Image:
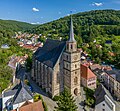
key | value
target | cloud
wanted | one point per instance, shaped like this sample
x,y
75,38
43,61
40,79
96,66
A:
x,y
35,9
35,23
97,4
68,14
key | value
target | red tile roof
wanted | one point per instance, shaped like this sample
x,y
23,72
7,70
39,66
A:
x,y
36,106
86,72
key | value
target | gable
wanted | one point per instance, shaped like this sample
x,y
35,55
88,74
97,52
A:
x,y
23,94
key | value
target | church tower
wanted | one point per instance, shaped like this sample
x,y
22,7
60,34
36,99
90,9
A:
x,y
72,64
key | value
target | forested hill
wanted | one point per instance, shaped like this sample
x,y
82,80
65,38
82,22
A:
x,y
15,25
8,27
87,25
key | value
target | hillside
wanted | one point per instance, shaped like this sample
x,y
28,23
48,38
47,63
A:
x,y
8,27
87,25
7,30
15,25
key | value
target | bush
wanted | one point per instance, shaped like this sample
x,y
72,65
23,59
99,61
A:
x,y
55,98
37,97
27,82
90,100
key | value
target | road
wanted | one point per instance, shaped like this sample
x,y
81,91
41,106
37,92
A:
x,y
50,103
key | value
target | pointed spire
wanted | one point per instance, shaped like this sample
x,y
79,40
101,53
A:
x,y
71,37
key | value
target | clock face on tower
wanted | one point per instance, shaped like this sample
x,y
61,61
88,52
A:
x,y
75,57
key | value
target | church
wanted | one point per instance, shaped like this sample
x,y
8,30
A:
x,y
56,66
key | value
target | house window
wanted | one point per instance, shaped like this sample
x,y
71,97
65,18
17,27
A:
x,y
75,81
75,72
103,104
67,57
103,109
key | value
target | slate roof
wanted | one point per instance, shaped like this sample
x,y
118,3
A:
x,y
50,52
9,93
71,37
116,74
23,94
100,93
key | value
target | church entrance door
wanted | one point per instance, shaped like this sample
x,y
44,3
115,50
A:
x,y
76,91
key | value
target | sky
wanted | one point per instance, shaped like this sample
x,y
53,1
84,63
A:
x,y
42,11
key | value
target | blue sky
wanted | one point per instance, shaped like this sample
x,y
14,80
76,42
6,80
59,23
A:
x,y
41,11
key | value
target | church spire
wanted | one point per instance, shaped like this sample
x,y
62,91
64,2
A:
x,y
71,36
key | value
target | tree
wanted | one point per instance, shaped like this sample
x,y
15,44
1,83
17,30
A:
x,y
66,102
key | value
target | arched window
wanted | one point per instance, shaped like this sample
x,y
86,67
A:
x,y
75,81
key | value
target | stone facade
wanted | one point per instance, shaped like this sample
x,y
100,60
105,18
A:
x,y
57,72
72,68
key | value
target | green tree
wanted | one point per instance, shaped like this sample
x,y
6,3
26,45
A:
x,y
66,102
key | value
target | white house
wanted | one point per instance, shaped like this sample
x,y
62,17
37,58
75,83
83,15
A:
x,y
5,46
15,98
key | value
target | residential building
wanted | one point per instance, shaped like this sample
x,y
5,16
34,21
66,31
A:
x,y
109,77
88,78
104,101
112,82
57,66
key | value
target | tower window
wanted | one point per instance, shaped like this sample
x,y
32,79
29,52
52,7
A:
x,y
75,66
75,81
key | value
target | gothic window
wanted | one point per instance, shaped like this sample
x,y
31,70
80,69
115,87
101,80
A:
x,y
58,77
75,81
50,78
67,65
